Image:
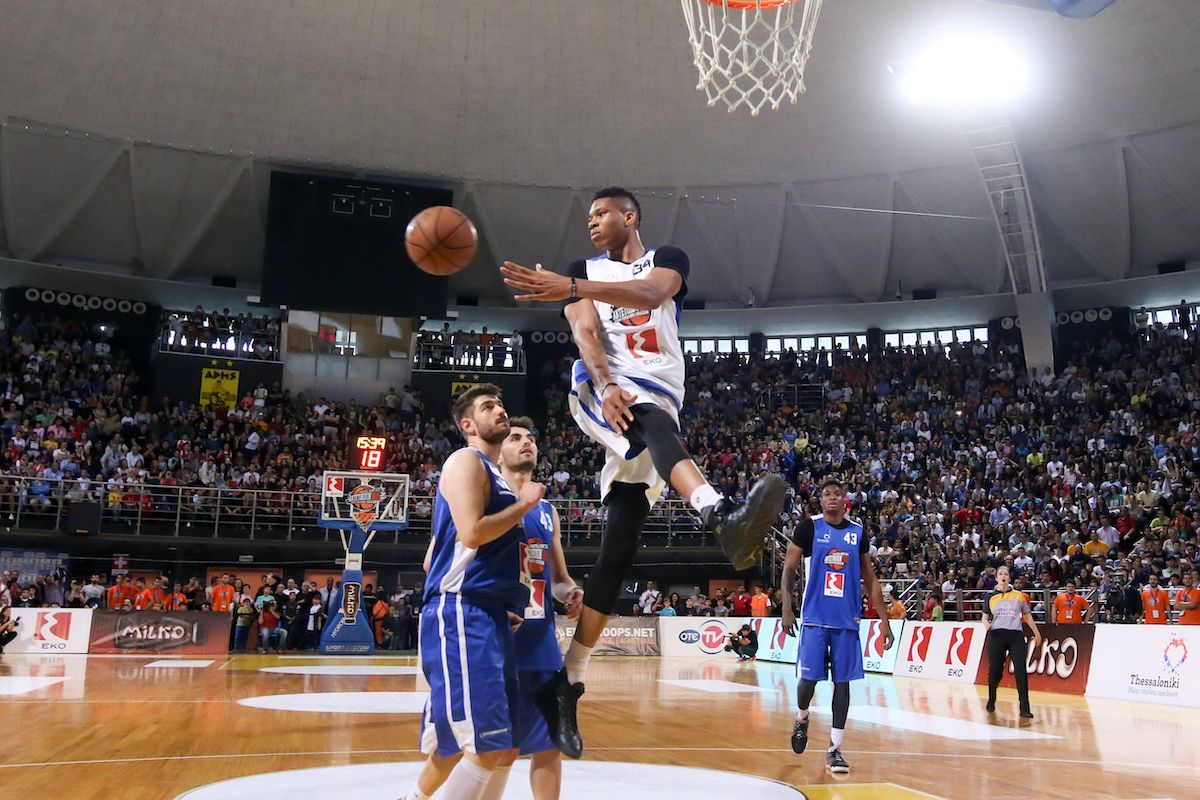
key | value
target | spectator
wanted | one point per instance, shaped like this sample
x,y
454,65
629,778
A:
x,y
933,610
1155,603
760,603
271,634
895,608
743,643
243,617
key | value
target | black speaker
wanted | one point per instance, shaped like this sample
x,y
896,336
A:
x,y
924,294
1169,267
82,519
693,305
758,344
467,300
875,339
224,281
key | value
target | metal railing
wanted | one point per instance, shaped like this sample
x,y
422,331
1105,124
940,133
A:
x,y
268,514
256,345
440,356
805,396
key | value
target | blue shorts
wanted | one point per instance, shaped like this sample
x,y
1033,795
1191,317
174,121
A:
x,y
535,733
468,659
823,648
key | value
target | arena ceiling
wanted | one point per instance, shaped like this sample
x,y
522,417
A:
x,y
142,135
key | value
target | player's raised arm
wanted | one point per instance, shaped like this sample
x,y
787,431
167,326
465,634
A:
x,y
566,591
465,486
588,334
542,284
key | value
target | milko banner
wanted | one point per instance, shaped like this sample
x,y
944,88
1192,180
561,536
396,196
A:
x,y
192,632
870,635
622,636
51,630
1059,664
1146,664
941,651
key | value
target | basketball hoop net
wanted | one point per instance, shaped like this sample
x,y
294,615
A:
x,y
751,53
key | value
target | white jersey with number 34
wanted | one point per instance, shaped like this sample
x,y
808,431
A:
x,y
642,345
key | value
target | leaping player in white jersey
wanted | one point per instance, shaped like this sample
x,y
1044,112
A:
x,y
624,307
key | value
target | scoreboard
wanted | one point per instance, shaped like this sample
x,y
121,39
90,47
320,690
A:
x,y
367,453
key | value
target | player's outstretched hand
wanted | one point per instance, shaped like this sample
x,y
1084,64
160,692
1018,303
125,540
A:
x,y
515,621
574,603
615,407
536,284
789,622
531,494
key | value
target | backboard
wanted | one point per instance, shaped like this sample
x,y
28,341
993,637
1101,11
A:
x,y
370,501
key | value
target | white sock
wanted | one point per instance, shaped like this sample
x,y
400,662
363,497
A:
x,y
802,714
495,787
576,661
416,794
467,781
704,497
835,738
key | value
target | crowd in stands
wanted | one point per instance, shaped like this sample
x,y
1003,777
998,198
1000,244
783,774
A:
x,y
240,335
491,350
956,459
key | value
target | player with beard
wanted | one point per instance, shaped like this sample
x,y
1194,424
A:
x,y
475,579
538,656
624,307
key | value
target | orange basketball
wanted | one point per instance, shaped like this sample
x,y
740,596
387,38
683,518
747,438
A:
x,y
441,240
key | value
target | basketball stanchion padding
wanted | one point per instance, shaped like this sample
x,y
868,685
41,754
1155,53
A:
x,y
359,505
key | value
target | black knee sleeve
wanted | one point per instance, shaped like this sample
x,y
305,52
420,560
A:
x,y
654,429
841,705
804,694
627,511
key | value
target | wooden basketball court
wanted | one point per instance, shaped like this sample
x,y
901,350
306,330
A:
x,y
148,728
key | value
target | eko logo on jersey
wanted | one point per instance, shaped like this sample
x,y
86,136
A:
x,y
710,638
835,580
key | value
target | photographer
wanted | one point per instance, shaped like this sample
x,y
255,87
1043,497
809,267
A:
x,y
744,643
8,627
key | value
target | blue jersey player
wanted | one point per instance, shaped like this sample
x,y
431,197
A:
x,y
538,656
476,578
839,566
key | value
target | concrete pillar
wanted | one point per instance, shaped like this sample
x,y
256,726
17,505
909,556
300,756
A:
x,y
1036,312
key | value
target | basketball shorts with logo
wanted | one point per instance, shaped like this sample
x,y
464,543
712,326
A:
x,y
535,733
623,463
824,650
468,659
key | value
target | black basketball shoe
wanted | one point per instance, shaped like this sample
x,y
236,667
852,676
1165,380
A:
x,y
741,528
557,701
800,735
836,764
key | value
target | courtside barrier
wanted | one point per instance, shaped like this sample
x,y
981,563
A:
x,y
190,632
1059,664
1146,663
51,630
622,636
941,651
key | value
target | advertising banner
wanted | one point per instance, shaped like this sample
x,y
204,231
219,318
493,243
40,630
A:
x,y
941,651
33,562
622,636
51,630
875,658
219,387
190,632
1146,664
1059,664
773,642
699,636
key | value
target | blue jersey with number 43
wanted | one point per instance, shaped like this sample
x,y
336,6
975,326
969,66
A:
x,y
833,593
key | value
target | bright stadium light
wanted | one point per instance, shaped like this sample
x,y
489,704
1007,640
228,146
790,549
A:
x,y
964,70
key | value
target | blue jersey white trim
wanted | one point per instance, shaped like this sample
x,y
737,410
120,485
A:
x,y
833,591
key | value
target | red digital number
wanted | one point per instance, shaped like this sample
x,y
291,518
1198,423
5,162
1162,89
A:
x,y
643,343
371,459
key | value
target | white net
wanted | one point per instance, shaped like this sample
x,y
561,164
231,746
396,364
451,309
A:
x,y
751,53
